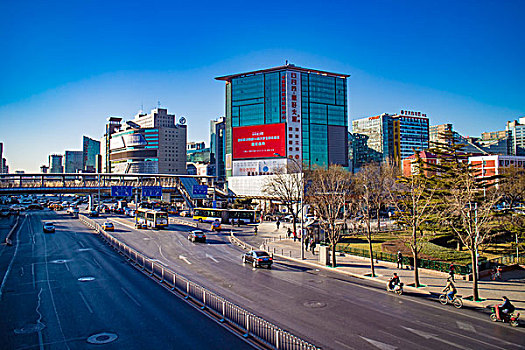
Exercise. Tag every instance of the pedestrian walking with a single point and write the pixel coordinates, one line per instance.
(255, 230)
(238, 222)
(278, 223)
(289, 232)
(451, 271)
(312, 246)
(399, 260)
(294, 236)
(306, 242)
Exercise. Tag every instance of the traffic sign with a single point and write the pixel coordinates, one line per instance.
(121, 191)
(200, 189)
(151, 191)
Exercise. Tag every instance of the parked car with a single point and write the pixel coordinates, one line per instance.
(49, 227)
(108, 226)
(258, 258)
(197, 236)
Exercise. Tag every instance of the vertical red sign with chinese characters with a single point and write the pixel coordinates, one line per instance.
(259, 141)
(293, 115)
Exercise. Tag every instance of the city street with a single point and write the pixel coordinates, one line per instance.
(328, 309)
(67, 290)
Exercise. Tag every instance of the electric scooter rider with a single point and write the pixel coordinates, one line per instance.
(394, 281)
(451, 288)
(506, 308)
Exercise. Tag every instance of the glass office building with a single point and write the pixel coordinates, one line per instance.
(282, 113)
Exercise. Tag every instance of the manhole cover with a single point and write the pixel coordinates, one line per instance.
(30, 328)
(314, 304)
(59, 261)
(102, 338)
(86, 279)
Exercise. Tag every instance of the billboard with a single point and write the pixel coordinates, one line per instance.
(258, 167)
(127, 140)
(259, 141)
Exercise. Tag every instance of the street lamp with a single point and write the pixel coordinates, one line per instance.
(302, 206)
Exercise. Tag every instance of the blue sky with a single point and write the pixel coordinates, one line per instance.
(68, 65)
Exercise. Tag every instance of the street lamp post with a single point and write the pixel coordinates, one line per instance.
(302, 205)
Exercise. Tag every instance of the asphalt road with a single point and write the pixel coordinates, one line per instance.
(70, 291)
(326, 308)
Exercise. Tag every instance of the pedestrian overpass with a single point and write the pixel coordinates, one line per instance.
(189, 188)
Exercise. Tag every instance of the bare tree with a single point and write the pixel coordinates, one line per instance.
(329, 191)
(285, 186)
(367, 180)
(415, 202)
(469, 201)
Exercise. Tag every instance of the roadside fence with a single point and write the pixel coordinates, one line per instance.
(250, 324)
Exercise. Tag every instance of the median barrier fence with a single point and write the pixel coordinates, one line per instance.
(248, 323)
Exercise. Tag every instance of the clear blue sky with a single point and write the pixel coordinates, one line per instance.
(68, 65)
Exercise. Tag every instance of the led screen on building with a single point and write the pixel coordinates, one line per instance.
(260, 141)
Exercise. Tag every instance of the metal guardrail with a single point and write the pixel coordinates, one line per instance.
(252, 325)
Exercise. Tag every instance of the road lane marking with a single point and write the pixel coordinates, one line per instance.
(434, 337)
(212, 258)
(378, 344)
(33, 273)
(97, 263)
(465, 326)
(343, 344)
(185, 259)
(12, 259)
(130, 296)
(85, 302)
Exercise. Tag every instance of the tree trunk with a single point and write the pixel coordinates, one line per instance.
(378, 221)
(334, 263)
(475, 292)
(414, 255)
(371, 253)
(458, 245)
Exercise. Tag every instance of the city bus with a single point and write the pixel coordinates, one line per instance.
(152, 218)
(245, 216)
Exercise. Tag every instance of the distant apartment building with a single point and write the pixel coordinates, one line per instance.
(90, 150)
(73, 161)
(516, 132)
(410, 164)
(55, 164)
(151, 143)
(390, 136)
(438, 136)
(217, 147)
(493, 164)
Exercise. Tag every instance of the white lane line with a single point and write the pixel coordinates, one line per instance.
(97, 263)
(85, 302)
(33, 273)
(378, 344)
(434, 337)
(185, 259)
(39, 321)
(130, 296)
(12, 259)
(212, 258)
(343, 344)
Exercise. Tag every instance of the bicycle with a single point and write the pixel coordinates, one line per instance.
(457, 302)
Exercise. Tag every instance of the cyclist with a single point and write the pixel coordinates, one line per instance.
(450, 288)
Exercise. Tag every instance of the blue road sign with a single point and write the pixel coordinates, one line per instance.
(200, 189)
(121, 191)
(151, 191)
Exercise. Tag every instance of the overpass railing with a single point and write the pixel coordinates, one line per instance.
(250, 324)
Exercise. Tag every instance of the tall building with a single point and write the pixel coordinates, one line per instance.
(217, 147)
(4, 169)
(73, 161)
(516, 132)
(438, 135)
(150, 143)
(281, 113)
(55, 164)
(90, 149)
(390, 136)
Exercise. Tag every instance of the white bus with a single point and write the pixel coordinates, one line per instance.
(152, 218)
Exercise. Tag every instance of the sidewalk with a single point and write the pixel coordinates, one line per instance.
(512, 285)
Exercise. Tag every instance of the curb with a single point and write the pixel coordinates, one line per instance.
(8, 240)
